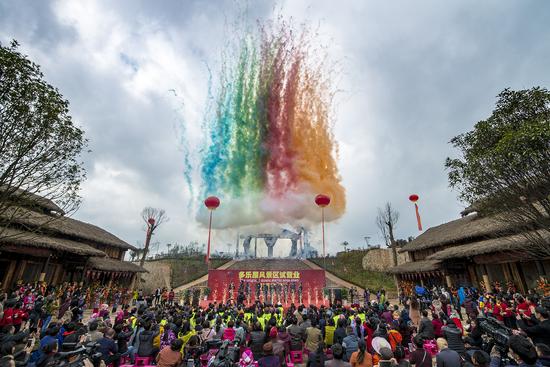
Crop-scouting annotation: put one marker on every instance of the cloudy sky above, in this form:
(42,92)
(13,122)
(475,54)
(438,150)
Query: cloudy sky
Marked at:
(414,74)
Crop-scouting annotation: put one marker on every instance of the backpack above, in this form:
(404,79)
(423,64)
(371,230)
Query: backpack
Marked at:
(399,349)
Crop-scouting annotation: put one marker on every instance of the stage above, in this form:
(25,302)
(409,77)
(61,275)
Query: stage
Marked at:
(267,286)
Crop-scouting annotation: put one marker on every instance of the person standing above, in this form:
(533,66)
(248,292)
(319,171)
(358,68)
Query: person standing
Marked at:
(540,331)
(157,296)
(420,357)
(446,357)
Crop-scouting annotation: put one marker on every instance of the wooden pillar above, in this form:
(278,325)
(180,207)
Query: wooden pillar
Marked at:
(396,280)
(540,268)
(517,279)
(8,278)
(133,282)
(57,274)
(473,276)
(448,280)
(45,269)
(20,270)
(506,270)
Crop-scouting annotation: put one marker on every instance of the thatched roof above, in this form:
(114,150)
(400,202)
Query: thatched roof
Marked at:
(415,267)
(17,237)
(63,226)
(32,199)
(509,244)
(466,228)
(108,264)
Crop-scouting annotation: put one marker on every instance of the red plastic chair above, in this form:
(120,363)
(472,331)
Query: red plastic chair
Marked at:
(125,360)
(296,356)
(143,361)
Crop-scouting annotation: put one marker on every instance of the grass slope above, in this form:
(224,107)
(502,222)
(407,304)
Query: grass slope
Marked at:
(185,270)
(349,266)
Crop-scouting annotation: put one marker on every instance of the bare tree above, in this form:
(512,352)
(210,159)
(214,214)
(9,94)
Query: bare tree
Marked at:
(153,218)
(386,221)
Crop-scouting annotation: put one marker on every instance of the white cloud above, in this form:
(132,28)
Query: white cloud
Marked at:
(413,75)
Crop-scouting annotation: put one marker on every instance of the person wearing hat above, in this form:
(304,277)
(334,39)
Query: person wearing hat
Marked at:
(269,359)
(337,357)
(278,345)
(540,332)
(378,343)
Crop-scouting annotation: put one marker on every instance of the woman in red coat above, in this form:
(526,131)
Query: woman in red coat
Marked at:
(438,324)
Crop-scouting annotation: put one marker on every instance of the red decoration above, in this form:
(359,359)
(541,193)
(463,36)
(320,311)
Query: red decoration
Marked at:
(414,198)
(322,200)
(151,221)
(212,202)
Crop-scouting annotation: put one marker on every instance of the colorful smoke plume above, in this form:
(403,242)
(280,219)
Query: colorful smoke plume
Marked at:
(270,148)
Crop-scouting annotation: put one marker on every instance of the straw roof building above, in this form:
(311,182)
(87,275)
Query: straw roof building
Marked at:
(39,243)
(472,250)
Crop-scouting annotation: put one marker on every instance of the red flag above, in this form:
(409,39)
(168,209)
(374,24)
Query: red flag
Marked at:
(418,217)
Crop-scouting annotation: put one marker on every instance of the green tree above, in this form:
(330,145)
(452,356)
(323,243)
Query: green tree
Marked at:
(504,165)
(40,146)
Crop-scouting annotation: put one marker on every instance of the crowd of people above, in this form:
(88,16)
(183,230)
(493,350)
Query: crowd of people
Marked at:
(45,326)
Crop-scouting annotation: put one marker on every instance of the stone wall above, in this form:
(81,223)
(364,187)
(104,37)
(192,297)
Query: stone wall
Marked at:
(381,259)
(159,275)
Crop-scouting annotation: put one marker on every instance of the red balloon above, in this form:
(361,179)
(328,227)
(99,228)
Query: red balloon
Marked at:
(212,202)
(322,200)
(151,221)
(414,198)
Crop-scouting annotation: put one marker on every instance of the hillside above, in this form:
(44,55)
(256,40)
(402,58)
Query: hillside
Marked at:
(188,269)
(349,267)
(174,272)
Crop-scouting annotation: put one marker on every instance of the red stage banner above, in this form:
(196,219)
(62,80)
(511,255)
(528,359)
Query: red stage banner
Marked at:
(273,286)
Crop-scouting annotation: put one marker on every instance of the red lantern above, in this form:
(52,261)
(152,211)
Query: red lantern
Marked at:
(322,200)
(212,202)
(414,198)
